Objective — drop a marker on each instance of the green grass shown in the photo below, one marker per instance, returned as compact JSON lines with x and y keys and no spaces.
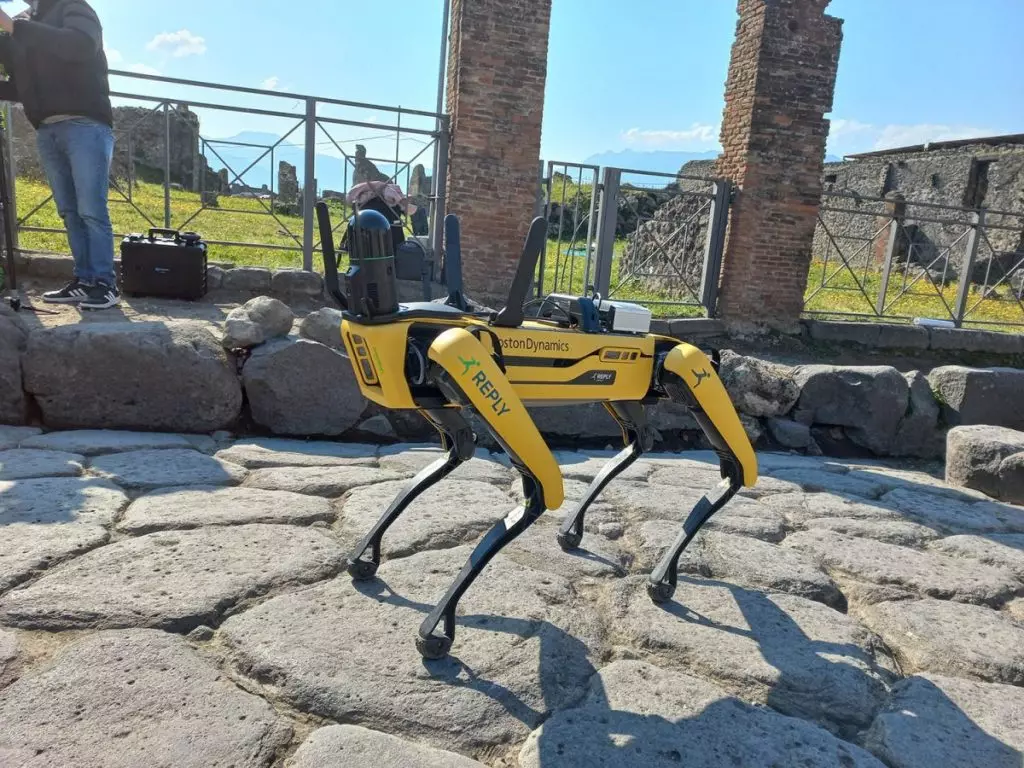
{"x":246,"y":220}
{"x":841,"y":296}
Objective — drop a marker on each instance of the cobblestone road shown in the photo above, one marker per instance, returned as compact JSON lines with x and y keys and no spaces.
{"x":182,"y":601}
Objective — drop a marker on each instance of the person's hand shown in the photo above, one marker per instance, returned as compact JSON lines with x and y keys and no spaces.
{"x":6,"y":22}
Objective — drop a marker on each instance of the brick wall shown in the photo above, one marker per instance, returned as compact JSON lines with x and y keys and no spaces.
{"x":497,"y":71}
{"x":780,"y":86}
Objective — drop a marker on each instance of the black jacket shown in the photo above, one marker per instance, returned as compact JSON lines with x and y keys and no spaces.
{"x":56,"y":63}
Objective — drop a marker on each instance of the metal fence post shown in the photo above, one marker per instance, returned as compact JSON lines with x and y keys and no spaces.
{"x":439,"y":196}
{"x":591,"y":229}
{"x":608,"y":220}
{"x":12,"y":173}
{"x":309,"y":191}
{"x":899,"y":212}
{"x":963,"y":290}
{"x":167,"y":165}
{"x":718,"y":220}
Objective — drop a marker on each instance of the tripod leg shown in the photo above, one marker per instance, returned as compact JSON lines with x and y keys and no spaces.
{"x":457,"y":437}
{"x":639,"y":438}
{"x":689,"y":378}
{"x":465,"y":372}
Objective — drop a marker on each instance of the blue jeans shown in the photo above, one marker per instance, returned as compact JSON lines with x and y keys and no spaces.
{"x":76,"y":156}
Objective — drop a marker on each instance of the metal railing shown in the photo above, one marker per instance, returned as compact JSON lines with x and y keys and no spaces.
{"x":658,"y":242}
{"x":890,"y":258}
{"x":317,"y":120}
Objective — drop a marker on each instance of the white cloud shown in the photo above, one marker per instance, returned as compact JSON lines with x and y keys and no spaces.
{"x":114,"y":57}
{"x":143,"y":69}
{"x":271,"y":83}
{"x":706,"y":136}
{"x":178,"y":44}
{"x":849,"y":137}
{"x":905,"y":135}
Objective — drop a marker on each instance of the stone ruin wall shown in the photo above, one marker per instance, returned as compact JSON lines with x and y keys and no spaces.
{"x":138,"y":149}
{"x":944,"y":176}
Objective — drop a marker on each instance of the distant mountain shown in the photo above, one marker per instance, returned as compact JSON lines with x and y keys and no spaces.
{"x":330,"y":171}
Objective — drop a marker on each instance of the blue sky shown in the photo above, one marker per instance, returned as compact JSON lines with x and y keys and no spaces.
{"x":644,"y":75}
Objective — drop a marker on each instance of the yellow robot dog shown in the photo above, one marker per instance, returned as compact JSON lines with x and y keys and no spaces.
{"x":440,"y":358}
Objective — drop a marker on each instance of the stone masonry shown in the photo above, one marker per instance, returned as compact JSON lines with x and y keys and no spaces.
{"x":780,"y":86}
{"x":497,"y":70}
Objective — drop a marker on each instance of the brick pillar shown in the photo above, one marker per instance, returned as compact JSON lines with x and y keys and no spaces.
{"x":497,"y":71}
{"x":780,"y":86}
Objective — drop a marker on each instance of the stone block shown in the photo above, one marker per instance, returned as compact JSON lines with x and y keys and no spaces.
{"x":759,"y":388}
{"x":298,"y":387}
{"x":869,"y":401}
{"x":987,"y":459}
{"x":903,"y":337}
{"x":696,"y":327}
{"x":296,"y":282}
{"x":993,"y":396}
{"x":323,"y":326}
{"x":13,"y":403}
{"x":150,"y":376}
{"x":256,"y":321}
{"x":789,"y":434}
{"x":918,"y":433}
{"x":965,"y":340}
{"x":865,"y":334}
{"x":252,"y":279}
{"x":214,"y":278}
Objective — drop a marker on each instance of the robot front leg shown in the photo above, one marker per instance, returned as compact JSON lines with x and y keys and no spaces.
{"x":466,"y":373}
{"x":458,"y":438}
{"x":688,"y":377}
{"x":639,"y":439}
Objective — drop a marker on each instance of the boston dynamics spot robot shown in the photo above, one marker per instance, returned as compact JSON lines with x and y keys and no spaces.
{"x":443,"y":358}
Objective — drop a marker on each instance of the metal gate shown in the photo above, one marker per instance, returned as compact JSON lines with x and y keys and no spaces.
{"x":653,"y":238}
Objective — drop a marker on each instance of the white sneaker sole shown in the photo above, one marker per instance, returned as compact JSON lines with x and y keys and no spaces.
{"x":107,"y":305}
{"x":68,"y":300}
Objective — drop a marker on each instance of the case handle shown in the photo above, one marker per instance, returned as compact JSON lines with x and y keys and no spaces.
{"x":175,"y":234}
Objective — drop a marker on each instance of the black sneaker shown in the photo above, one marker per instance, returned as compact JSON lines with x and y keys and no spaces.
{"x":72,"y":293}
{"x":101,"y":296}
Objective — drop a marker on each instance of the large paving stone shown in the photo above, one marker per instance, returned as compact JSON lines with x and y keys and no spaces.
{"x":155,"y":376}
{"x":918,"y":433}
{"x":194,"y":507}
{"x":1010,"y":515}
{"x":636,"y":714}
{"x":133,"y":699}
{"x":25,"y":463}
{"x":93,"y":442}
{"x":987,"y":459}
{"x":45,"y":521}
{"x":586,"y":466}
{"x":944,"y":514}
{"x":596,"y":557}
{"x":346,"y":651}
{"x":260,"y":453}
{"x":979,"y":395}
{"x":1004,"y":551}
{"x":931,"y":720}
{"x":870,"y":401}
{"x":299,"y":387}
{"x":12,"y":437}
{"x":830,"y":482}
{"x":1015,"y":609}
{"x":799,"y":656}
{"x":703,"y":477}
{"x":950,"y":639}
{"x":147,"y":470}
{"x":318,"y":481}
{"x":900,"y":532}
{"x":878,"y":571}
{"x":484,"y":466}
{"x":450,"y":513}
{"x":338,"y":745}
{"x":643,"y":501}
{"x":798,"y":508}
{"x":757,"y":564}
{"x":174,"y":580}
{"x":9,"y":647}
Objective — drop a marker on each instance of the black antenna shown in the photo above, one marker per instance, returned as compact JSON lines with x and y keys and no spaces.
{"x":512,"y":315}
{"x":323,"y":216}
{"x":453,"y":262}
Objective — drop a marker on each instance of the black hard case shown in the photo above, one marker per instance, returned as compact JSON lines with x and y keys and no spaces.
{"x":165,"y":263}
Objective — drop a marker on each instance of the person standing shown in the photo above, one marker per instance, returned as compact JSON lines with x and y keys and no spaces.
{"x":58,"y":71}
